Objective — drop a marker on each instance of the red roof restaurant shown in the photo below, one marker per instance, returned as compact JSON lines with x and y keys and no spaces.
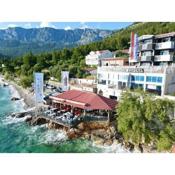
{"x":83,"y":103}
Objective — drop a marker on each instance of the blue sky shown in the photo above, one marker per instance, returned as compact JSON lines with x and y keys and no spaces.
{"x":67,"y":25}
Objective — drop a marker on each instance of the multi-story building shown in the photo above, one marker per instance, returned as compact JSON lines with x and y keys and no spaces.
{"x":153,"y":71}
{"x":94,"y":56}
{"x":156,"y":50}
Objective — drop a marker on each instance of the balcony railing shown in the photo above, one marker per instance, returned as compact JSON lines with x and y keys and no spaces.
{"x":146,"y":58}
{"x":163,"y":58}
{"x":149,"y":46}
{"x":165,"y":45}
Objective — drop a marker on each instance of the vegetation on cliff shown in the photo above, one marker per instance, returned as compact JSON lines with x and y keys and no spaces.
{"x":146,"y":120}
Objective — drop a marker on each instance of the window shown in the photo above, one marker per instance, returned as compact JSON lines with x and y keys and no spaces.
{"x":159,"y":79}
{"x":141,"y":78}
{"x":102,"y":82}
{"x":137,"y":78}
{"x":154,"y":79}
{"x":148,"y":79}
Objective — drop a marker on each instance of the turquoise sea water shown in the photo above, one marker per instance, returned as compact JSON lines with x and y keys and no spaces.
{"x":16,"y":136}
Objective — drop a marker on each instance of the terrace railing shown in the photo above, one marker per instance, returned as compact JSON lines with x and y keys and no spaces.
{"x":89,"y":118}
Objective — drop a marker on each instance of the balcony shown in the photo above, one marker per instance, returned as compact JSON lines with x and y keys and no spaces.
{"x":146,"y":58}
{"x":163,"y":58}
{"x":165,"y":45}
{"x":102,"y":82}
{"x":149,"y":46}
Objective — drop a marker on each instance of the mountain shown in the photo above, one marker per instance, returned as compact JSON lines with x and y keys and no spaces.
{"x":17,"y":41}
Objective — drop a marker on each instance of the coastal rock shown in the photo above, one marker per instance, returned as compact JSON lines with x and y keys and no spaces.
{"x":108,"y":142}
{"x":20,"y":115}
{"x":71,"y":134}
{"x":78,"y":132}
{"x":118,"y":136}
{"x":115,"y":142}
{"x":86,"y":135}
{"x":112,"y":130}
{"x":97,"y":140}
{"x":38,"y":121}
{"x":99,"y":132}
{"x":81,"y":126}
{"x":15,"y":98}
{"x":52,"y":125}
{"x":95,"y":125}
{"x":28,"y":118}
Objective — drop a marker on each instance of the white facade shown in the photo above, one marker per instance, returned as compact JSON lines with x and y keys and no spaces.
{"x":112,"y":80}
{"x":153,"y":70}
{"x":94,"y":56}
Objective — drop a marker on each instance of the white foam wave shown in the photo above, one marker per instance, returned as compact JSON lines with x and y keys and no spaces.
{"x":12,"y":120}
{"x":114,"y":148}
{"x":54,"y":136}
{"x":46,"y":136}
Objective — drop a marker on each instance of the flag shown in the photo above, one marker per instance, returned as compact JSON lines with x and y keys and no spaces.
{"x":38,"y":87}
{"x":65,"y":80}
{"x":134,"y":46}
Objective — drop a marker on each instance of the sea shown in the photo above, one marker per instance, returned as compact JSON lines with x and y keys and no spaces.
{"x":16,"y":136}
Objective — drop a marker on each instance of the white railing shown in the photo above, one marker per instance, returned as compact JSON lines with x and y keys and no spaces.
{"x":165,"y":45}
{"x":163,"y":58}
{"x":146,"y":58}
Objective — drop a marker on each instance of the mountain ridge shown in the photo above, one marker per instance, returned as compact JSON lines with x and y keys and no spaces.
{"x":18,"y":41}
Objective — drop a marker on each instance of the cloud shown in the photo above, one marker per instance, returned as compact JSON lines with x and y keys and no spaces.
{"x":28,"y":25}
{"x":83,"y":25}
{"x":67,"y":28}
{"x":47,"y":24}
{"x":11,"y":25}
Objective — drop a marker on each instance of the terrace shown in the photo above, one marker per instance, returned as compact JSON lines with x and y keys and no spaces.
{"x":73,"y":107}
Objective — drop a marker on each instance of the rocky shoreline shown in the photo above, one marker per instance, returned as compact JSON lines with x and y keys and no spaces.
{"x":99,"y":133}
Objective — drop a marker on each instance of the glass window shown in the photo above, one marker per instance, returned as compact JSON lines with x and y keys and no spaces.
{"x":148,"y":78}
{"x":159,"y":79}
{"x":137,"y":78}
{"x":154,"y":79}
{"x":141,"y":78}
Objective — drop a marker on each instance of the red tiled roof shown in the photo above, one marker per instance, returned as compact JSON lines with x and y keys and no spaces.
{"x":85,"y":100}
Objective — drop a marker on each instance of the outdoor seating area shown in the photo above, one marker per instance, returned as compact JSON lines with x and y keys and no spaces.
{"x":61,"y":116}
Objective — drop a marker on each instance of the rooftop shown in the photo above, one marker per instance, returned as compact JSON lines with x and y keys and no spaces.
{"x":165,"y":35}
{"x":85,"y":100}
{"x":115,"y":59}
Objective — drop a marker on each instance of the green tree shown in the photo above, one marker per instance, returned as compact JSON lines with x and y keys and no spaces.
{"x":144,"y":119}
{"x":26,"y":81}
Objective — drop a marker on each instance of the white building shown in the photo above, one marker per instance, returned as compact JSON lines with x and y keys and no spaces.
{"x":94,"y":56}
{"x":154,"y":71}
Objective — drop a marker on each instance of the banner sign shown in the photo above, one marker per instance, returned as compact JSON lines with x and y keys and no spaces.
{"x":65,"y":80}
{"x":38,"y":87}
{"x":134,"y":47}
